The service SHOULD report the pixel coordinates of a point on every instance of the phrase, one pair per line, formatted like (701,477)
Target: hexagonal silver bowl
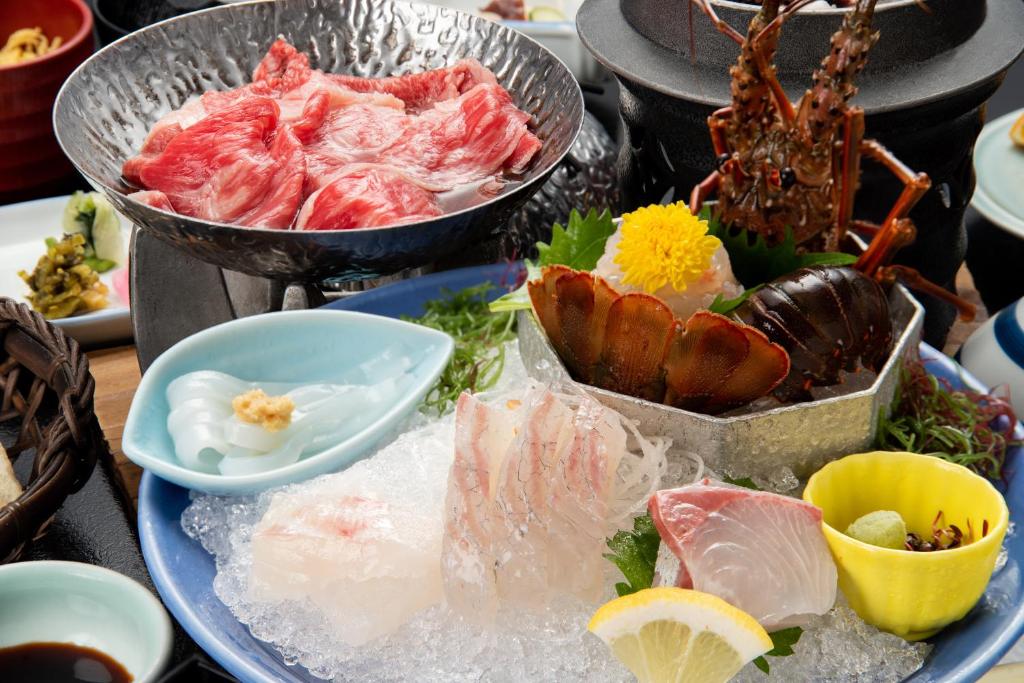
(802,437)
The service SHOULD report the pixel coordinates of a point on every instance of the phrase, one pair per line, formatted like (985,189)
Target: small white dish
(72,602)
(24,228)
(999,167)
(994,353)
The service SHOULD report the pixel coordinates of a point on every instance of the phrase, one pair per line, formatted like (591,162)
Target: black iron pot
(924,90)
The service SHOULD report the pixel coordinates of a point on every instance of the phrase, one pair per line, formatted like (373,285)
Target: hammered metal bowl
(772,445)
(106,107)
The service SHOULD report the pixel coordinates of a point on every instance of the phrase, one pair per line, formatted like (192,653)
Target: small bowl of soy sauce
(68,622)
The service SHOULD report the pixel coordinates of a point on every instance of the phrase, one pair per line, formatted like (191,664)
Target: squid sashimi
(535,489)
(362,545)
(220,423)
(761,552)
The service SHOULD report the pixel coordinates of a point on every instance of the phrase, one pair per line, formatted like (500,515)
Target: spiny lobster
(783,167)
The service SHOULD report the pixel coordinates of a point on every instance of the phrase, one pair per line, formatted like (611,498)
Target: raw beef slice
(234,166)
(367,197)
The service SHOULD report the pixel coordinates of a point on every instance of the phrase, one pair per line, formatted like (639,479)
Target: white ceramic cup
(995,353)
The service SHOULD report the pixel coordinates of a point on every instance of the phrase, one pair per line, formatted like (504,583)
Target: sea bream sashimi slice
(536,487)
(362,545)
(762,552)
(483,434)
(523,500)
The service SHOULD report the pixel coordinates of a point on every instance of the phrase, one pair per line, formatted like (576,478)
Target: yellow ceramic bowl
(911,594)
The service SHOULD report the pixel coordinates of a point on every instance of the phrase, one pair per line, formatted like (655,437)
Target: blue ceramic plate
(183,571)
(318,346)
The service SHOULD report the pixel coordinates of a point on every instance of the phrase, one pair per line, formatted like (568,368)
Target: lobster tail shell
(637,336)
(828,319)
(632,344)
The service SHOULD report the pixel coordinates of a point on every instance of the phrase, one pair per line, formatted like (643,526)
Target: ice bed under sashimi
(302,149)
(470,548)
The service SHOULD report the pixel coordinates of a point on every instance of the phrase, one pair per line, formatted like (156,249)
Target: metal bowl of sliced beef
(309,139)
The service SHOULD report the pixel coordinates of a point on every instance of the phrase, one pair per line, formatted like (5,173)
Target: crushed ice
(437,645)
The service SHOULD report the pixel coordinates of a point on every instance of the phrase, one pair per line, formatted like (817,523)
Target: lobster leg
(913,279)
(716,124)
(897,230)
(866,227)
(702,190)
(723,28)
(853,136)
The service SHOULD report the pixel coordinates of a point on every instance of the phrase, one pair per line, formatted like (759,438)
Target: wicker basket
(46,385)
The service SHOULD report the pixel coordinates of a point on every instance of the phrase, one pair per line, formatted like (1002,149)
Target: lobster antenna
(867,7)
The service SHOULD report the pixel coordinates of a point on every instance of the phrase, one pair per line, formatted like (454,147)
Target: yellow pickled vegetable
(63,283)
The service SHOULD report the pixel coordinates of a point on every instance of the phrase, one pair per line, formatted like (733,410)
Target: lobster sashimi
(535,489)
(631,343)
(762,552)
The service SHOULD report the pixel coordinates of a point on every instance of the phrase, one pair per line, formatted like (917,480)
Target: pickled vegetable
(62,283)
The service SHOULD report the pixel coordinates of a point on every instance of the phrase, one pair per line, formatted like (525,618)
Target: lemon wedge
(673,635)
(1017,132)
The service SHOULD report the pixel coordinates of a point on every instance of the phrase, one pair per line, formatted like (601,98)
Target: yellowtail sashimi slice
(762,552)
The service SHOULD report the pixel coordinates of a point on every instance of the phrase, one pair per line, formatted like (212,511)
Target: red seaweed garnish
(967,427)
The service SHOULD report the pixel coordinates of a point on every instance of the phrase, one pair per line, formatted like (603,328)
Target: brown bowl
(29,154)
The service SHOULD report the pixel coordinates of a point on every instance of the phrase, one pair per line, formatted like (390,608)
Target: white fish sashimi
(208,436)
(763,552)
(483,434)
(522,500)
(533,494)
(363,545)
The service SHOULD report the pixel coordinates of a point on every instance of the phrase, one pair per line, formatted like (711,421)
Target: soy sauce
(59,663)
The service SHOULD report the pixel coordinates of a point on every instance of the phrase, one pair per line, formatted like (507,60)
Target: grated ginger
(273,413)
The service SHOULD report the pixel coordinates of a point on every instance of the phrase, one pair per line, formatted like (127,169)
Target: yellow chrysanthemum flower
(663,245)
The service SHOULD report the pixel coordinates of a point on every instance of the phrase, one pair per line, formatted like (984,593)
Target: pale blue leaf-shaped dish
(295,347)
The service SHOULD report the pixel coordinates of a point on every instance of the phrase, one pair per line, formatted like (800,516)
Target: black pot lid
(922,79)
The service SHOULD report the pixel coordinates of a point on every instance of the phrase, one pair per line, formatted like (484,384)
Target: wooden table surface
(116,371)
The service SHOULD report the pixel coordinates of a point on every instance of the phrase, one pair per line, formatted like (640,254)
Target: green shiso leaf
(782,646)
(579,245)
(745,482)
(724,306)
(754,262)
(635,554)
